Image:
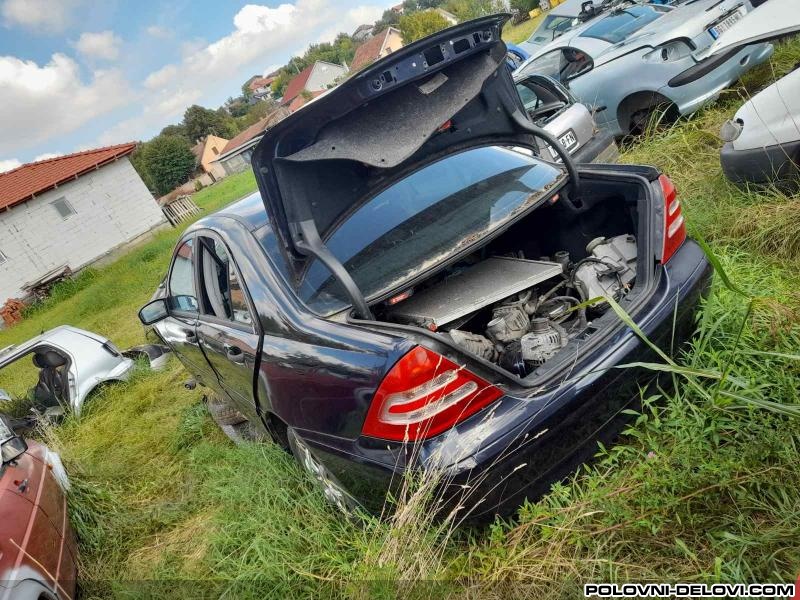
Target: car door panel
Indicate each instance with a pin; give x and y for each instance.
(179, 329)
(227, 329)
(232, 353)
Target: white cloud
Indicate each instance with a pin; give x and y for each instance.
(39, 15)
(43, 102)
(157, 31)
(9, 164)
(260, 35)
(46, 156)
(103, 45)
(158, 79)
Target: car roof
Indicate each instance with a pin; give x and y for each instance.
(249, 211)
(61, 337)
(676, 22)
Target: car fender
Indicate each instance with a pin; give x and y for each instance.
(119, 372)
(770, 117)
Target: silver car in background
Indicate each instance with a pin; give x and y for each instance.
(762, 140)
(558, 21)
(71, 363)
(630, 62)
(552, 107)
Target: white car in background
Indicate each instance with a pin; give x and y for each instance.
(559, 20)
(551, 106)
(762, 141)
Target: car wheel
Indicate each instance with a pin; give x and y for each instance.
(332, 489)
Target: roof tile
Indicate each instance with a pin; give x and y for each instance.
(28, 180)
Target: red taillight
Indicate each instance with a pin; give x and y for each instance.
(423, 395)
(674, 225)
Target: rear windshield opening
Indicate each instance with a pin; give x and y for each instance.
(425, 218)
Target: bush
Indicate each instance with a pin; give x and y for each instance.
(169, 161)
(421, 24)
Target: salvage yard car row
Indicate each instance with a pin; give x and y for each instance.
(442, 302)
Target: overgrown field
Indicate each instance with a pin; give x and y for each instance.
(705, 485)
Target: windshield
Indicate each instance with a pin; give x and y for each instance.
(424, 219)
(623, 23)
(552, 27)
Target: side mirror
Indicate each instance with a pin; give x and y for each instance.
(154, 311)
(13, 448)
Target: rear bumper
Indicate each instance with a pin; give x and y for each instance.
(520, 446)
(601, 149)
(770, 164)
(689, 97)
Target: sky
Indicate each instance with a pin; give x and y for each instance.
(80, 74)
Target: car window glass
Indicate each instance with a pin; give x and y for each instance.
(552, 27)
(223, 296)
(182, 294)
(547, 64)
(528, 96)
(562, 64)
(424, 218)
(623, 23)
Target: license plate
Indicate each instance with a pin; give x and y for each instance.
(726, 23)
(568, 140)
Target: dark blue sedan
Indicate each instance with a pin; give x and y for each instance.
(409, 290)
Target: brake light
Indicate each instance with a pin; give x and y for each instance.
(674, 225)
(423, 395)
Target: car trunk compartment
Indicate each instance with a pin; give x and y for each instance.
(531, 282)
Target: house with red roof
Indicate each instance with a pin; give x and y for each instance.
(382, 44)
(313, 79)
(68, 212)
(235, 155)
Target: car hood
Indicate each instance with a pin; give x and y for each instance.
(683, 21)
(771, 20)
(448, 91)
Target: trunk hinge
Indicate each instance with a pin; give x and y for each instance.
(307, 241)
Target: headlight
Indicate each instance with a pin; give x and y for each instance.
(670, 52)
(731, 130)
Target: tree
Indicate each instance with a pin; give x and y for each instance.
(246, 91)
(168, 162)
(281, 81)
(388, 18)
(137, 160)
(465, 10)
(178, 130)
(200, 122)
(418, 25)
(257, 111)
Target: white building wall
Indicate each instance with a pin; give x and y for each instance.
(112, 206)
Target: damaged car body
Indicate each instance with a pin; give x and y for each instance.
(71, 363)
(421, 303)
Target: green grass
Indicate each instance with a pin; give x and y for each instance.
(703, 487)
(521, 32)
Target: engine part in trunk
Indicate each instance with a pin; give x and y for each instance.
(541, 344)
(475, 343)
(471, 289)
(609, 269)
(509, 322)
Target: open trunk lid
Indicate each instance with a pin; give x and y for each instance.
(448, 91)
